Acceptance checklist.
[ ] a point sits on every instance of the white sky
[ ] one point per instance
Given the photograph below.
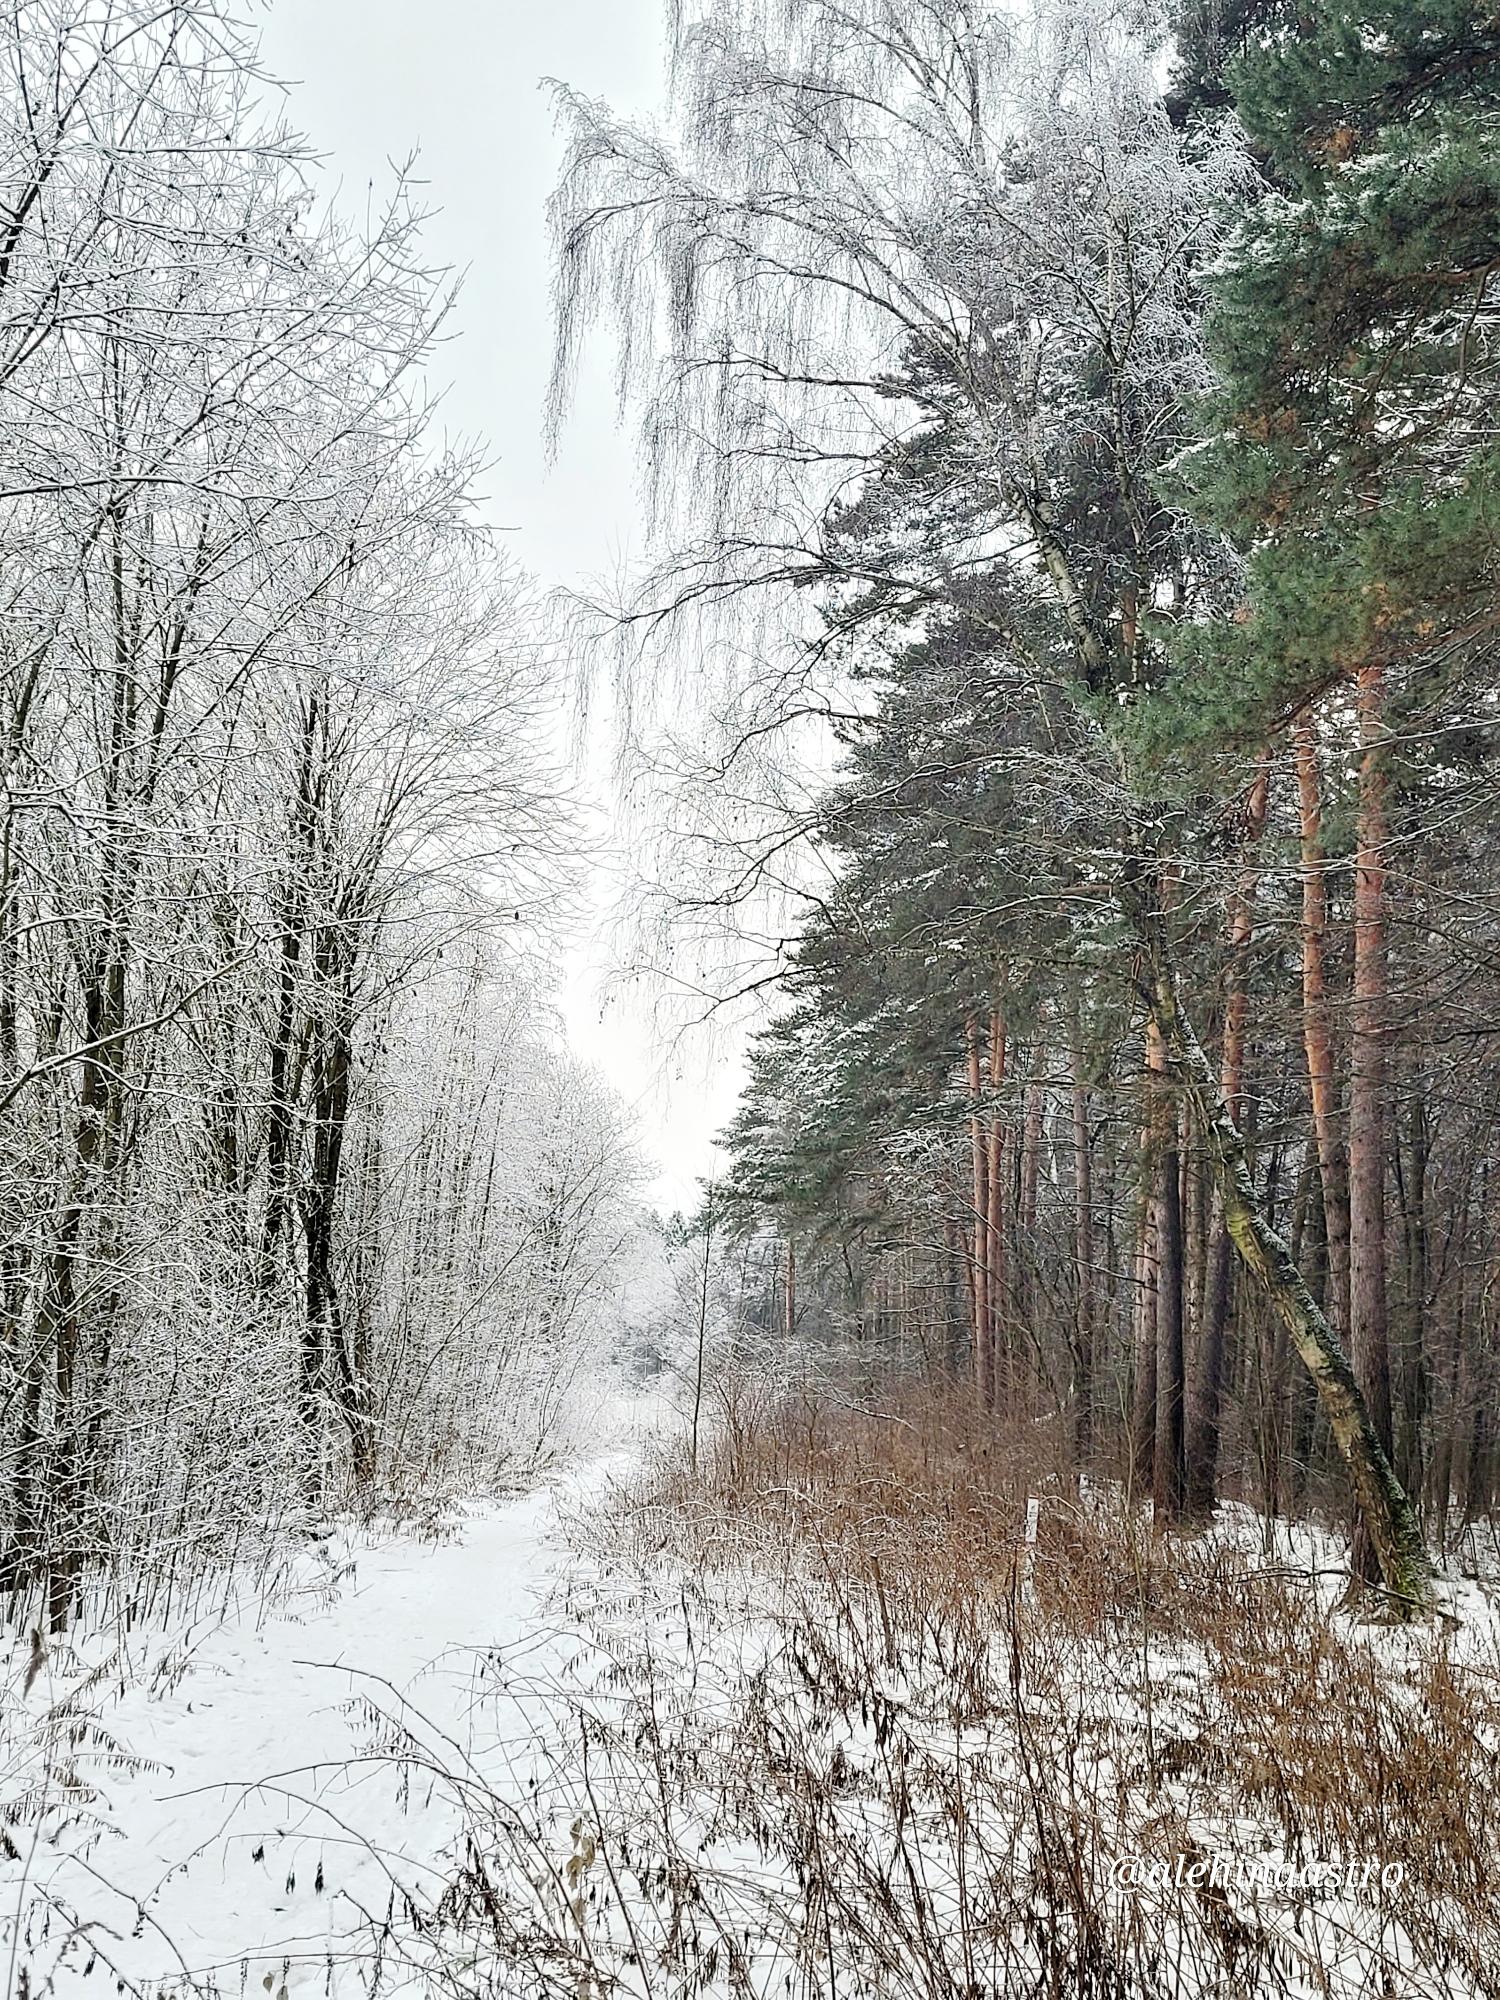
(458, 81)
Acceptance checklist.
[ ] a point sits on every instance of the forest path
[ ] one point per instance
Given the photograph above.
(248, 1859)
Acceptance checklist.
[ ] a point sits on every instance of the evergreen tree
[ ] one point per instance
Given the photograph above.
(1350, 452)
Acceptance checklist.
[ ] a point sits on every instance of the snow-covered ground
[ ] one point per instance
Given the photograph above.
(268, 1824)
(516, 1757)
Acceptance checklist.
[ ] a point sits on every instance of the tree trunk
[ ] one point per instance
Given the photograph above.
(1167, 1468)
(59, 1328)
(1083, 1256)
(1368, 1116)
(1031, 1150)
(1206, 1390)
(979, 1152)
(1389, 1516)
(996, 1275)
(329, 1363)
(1143, 1342)
(1317, 1033)
(956, 1279)
(1411, 1369)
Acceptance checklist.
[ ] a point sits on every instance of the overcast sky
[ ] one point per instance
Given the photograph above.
(460, 82)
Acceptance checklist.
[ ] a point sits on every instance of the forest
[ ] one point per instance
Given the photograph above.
(1025, 1525)
(295, 1182)
(1125, 442)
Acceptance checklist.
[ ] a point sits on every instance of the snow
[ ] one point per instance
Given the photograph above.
(416, 1708)
(269, 1820)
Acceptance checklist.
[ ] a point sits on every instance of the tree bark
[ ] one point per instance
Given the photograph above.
(1368, 1113)
(995, 1209)
(1206, 1389)
(1143, 1341)
(1031, 1149)
(1167, 1466)
(979, 1154)
(1317, 1033)
(1083, 1256)
(328, 1365)
(1411, 1364)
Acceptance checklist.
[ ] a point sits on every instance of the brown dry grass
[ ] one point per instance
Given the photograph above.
(882, 1715)
(1343, 1739)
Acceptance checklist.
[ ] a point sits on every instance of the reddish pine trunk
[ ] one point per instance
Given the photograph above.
(1317, 1034)
(1368, 1111)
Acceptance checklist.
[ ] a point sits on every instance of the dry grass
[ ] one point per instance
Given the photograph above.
(1355, 1739)
(877, 1720)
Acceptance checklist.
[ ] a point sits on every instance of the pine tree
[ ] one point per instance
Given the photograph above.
(1350, 453)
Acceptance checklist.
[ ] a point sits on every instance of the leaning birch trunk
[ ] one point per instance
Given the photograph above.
(1388, 1514)
(1205, 1390)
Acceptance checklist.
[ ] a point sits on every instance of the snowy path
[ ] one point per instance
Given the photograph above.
(267, 1829)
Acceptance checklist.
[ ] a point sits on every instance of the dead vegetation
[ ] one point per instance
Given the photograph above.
(857, 1714)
